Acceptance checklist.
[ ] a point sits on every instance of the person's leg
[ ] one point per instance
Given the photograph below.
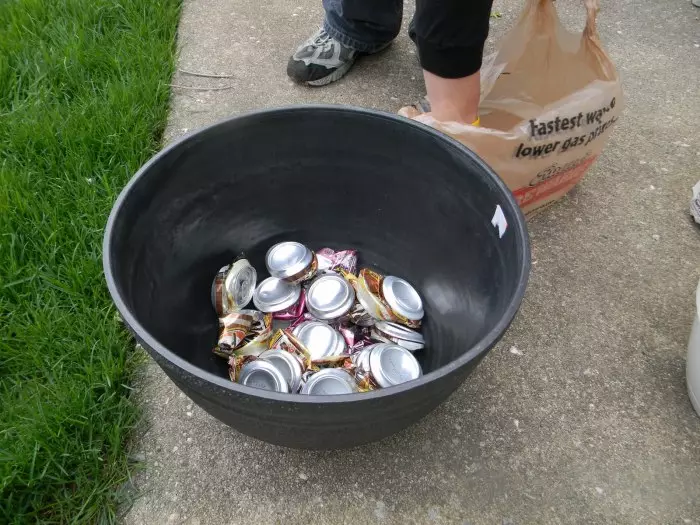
(450, 36)
(366, 26)
(350, 28)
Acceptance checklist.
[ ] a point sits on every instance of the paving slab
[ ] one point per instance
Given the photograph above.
(580, 415)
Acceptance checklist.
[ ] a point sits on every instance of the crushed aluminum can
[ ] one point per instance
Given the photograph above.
(369, 288)
(391, 364)
(233, 329)
(291, 261)
(263, 375)
(388, 332)
(330, 381)
(330, 296)
(402, 298)
(289, 364)
(385, 365)
(294, 311)
(233, 287)
(323, 342)
(257, 341)
(330, 260)
(287, 341)
(275, 295)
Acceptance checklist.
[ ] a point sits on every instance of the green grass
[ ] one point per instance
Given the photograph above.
(83, 102)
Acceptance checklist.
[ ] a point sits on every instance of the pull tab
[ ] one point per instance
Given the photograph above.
(499, 221)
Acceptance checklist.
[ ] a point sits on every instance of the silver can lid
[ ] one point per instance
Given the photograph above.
(402, 298)
(286, 259)
(320, 339)
(392, 364)
(330, 381)
(329, 297)
(273, 295)
(287, 363)
(263, 375)
(395, 333)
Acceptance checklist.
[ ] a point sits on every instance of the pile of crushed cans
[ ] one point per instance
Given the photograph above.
(320, 326)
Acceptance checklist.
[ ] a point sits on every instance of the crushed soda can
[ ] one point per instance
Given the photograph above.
(233, 287)
(330, 296)
(389, 298)
(330, 381)
(291, 261)
(256, 342)
(263, 375)
(330, 260)
(323, 342)
(284, 339)
(233, 329)
(388, 332)
(276, 295)
(386, 365)
(289, 364)
(403, 299)
(292, 312)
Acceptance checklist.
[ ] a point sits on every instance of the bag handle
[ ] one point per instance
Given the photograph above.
(590, 31)
(592, 8)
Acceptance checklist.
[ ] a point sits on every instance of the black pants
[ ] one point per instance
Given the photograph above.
(449, 34)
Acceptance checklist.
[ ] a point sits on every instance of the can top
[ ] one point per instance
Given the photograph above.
(320, 339)
(392, 364)
(329, 297)
(286, 259)
(240, 283)
(273, 295)
(263, 375)
(402, 298)
(399, 331)
(286, 363)
(330, 381)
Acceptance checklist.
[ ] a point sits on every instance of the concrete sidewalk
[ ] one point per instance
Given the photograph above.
(581, 414)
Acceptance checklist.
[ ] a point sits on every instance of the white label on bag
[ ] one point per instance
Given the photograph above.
(499, 221)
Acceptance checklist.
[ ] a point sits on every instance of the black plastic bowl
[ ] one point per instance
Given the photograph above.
(413, 202)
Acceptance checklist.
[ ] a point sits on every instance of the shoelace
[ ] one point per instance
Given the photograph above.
(322, 40)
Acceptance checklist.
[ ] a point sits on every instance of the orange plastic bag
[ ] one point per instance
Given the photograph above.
(549, 99)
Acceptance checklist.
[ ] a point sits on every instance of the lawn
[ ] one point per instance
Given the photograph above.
(83, 102)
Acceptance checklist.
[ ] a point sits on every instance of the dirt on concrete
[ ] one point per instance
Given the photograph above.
(580, 415)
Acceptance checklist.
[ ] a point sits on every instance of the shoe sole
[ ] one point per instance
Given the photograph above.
(336, 75)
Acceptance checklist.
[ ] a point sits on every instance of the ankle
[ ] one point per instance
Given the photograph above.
(453, 99)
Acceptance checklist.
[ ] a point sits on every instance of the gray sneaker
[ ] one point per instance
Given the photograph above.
(320, 60)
